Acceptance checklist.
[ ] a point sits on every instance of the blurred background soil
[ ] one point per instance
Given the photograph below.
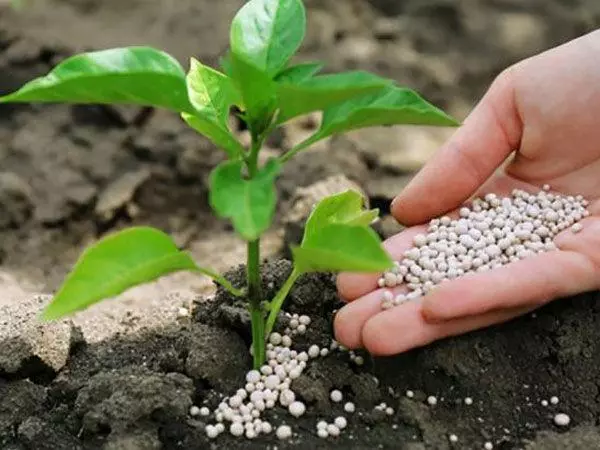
(68, 174)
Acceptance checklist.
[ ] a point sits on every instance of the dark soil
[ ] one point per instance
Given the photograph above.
(135, 393)
(60, 166)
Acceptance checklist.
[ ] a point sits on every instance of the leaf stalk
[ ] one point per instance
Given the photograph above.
(277, 302)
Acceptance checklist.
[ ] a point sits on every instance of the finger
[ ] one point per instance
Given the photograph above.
(529, 282)
(587, 241)
(349, 320)
(354, 285)
(403, 328)
(490, 133)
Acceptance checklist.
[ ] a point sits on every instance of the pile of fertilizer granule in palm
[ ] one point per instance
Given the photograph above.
(489, 234)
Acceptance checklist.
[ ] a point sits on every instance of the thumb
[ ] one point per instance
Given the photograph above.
(488, 136)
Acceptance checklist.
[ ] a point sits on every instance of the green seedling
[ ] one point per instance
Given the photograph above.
(257, 79)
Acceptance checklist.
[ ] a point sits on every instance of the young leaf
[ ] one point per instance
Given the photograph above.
(258, 93)
(340, 247)
(267, 33)
(343, 208)
(324, 91)
(212, 94)
(116, 263)
(132, 75)
(299, 73)
(249, 203)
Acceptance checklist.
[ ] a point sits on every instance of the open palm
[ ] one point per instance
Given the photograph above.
(538, 124)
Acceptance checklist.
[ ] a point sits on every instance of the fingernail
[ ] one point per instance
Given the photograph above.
(426, 312)
(430, 319)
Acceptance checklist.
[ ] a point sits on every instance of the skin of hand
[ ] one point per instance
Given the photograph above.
(539, 123)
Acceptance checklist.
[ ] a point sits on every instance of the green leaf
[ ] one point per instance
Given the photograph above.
(259, 94)
(340, 247)
(222, 138)
(116, 263)
(249, 203)
(212, 94)
(299, 73)
(267, 33)
(324, 91)
(390, 106)
(364, 218)
(225, 63)
(343, 208)
(337, 237)
(132, 75)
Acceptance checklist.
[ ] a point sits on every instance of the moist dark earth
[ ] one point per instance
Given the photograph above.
(71, 173)
(135, 392)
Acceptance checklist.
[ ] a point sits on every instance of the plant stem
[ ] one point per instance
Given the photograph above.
(255, 303)
(258, 336)
(277, 302)
(298, 148)
(252, 160)
(253, 273)
(220, 279)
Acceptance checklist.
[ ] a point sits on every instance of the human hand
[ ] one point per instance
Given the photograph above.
(547, 108)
